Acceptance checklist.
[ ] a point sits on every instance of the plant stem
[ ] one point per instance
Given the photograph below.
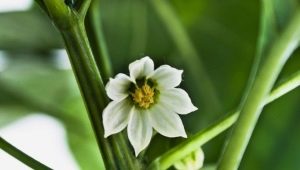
(97, 40)
(70, 22)
(101, 56)
(292, 83)
(191, 144)
(95, 97)
(254, 102)
(188, 52)
(21, 156)
(90, 83)
(185, 148)
(267, 33)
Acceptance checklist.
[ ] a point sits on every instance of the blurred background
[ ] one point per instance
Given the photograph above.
(214, 42)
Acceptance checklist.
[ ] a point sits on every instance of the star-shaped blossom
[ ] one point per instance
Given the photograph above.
(144, 100)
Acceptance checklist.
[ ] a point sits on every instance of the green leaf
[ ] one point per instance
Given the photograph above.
(27, 30)
(33, 83)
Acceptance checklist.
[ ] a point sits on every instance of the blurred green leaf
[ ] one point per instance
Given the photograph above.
(27, 30)
(34, 84)
(83, 143)
(12, 112)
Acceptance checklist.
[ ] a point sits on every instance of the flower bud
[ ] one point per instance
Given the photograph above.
(194, 161)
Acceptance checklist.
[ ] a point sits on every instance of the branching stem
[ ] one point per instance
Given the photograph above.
(21, 156)
(202, 137)
(254, 102)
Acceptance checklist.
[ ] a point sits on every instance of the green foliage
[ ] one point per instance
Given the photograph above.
(27, 30)
(227, 35)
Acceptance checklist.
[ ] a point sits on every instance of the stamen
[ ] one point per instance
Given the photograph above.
(144, 96)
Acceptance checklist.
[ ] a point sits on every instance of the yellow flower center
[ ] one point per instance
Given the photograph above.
(143, 96)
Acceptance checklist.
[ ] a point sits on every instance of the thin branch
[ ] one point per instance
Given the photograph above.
(84, 6)
(21, 156)
(288, 85)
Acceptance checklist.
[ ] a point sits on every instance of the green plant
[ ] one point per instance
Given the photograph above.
(79, 24)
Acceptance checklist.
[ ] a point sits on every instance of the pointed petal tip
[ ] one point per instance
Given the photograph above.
(194, 108)
(136, 153)
(138, 150)
(178, 100)
(184, 135)
(139, 131)
(106, 135)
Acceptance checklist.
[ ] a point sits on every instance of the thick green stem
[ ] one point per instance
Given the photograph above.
(97, 40)
(70, 22)
(101, 56)
(21, 156)
(194, 142)
(254, 102)
(95, 97)
(266, 34)
(90, 83)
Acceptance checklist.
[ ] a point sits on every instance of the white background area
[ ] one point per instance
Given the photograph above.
(41, 137)
(14, 5)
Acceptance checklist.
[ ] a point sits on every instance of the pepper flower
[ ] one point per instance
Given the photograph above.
(144, 100)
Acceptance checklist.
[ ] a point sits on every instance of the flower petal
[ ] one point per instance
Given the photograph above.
(117, 88)
(166, 122)
(116, 116)
(166, 77)
(141, 68)
(139, 130)
(177, 100)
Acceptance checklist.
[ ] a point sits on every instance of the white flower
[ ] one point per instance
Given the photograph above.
(146, 99)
